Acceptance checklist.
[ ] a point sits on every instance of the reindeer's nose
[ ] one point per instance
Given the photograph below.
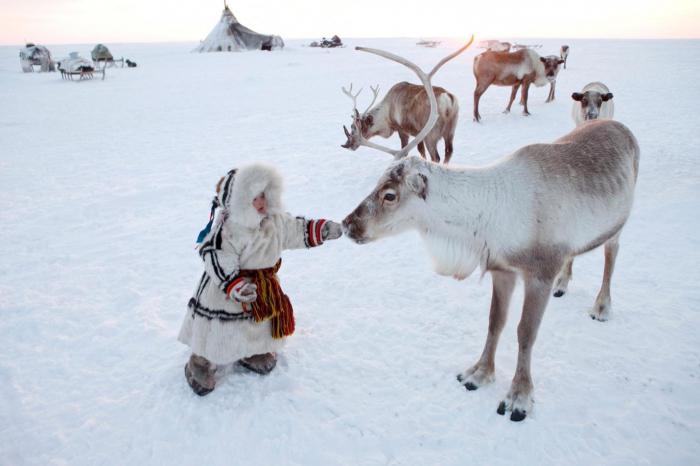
(349, 227)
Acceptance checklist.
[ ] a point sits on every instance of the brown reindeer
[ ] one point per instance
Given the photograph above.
(405, 109)
(521, 68)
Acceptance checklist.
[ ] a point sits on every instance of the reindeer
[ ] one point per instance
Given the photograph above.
(593, 102)
(521, 68)
(564, 53)
(405, 110)
(524, 215)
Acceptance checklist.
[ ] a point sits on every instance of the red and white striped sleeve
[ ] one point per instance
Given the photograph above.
(314, 229)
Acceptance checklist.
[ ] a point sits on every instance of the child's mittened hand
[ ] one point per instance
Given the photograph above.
(331, 230)
(244, 292)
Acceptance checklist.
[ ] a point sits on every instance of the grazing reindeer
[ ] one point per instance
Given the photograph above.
(564, 53)
(521, 68)
(405, 109)
(523, 215)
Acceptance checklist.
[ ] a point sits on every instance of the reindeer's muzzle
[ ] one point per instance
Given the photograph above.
(354, 229)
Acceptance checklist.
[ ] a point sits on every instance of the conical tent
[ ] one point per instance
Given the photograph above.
(101, 53)
(231, 36)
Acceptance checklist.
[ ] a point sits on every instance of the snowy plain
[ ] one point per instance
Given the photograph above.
(104, 186)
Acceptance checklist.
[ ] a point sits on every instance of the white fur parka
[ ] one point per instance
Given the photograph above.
(216, 326)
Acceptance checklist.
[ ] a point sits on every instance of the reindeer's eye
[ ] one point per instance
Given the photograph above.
(584, 102)
(389, 197)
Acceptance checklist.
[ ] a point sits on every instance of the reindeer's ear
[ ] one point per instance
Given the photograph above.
(543, 60)
(577, 96)
(418, 183)
(607, 96)
(560, 61)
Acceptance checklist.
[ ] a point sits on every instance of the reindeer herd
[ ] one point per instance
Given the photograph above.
(526, 215)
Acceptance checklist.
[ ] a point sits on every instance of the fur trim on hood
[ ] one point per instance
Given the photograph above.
(237, 190)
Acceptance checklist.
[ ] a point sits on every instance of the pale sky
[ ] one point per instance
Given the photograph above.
(113, 21)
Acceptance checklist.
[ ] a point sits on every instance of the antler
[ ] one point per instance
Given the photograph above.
(375, 92)
(348, 92)
(425, 79)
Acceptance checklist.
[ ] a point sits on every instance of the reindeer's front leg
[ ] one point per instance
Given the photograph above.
(482, 372)
(562, 283)
(550, 97)
(519, 398)
(513, 93)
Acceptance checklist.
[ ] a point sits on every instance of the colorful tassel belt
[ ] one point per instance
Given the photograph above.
(271, 303)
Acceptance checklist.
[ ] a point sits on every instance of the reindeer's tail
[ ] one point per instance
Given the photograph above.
(448, 106)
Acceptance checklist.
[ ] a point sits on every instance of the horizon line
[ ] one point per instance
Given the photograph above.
(367, 38)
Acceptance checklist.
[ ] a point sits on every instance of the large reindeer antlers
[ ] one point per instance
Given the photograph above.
(425, 79)
(348, 92)
(375, 91)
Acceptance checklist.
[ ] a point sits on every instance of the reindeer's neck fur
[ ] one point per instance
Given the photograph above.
(461, 219)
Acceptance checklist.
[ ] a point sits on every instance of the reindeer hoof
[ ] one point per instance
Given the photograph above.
(559, 293)
(470, 386)
(517, 415)
(501, 408)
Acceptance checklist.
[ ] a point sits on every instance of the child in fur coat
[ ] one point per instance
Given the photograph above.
(239, 311)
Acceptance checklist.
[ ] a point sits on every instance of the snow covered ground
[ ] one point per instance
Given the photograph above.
(104, 186)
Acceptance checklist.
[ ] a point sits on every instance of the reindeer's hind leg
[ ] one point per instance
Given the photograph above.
(524, 95)
(483, 371)
(519, 398)
(602, 307)
(562, 282)
(431, 144)
(448, 148)
(513, 93)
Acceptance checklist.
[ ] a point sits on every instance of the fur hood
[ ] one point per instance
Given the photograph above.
(239, 187)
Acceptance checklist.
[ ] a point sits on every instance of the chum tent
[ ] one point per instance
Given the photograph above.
(231, 36)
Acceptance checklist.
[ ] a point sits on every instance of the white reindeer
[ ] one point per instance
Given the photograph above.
(593, 102)
(524, 215)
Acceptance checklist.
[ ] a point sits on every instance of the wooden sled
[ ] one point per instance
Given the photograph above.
(83, 74)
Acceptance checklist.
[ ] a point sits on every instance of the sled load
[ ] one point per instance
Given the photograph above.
(328, 43)
(36, 55)
(428, 43)
(76, 66)
(231, 36)
(494, 45)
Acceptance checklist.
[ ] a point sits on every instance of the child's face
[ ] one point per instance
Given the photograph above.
(260, 204)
